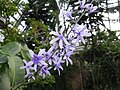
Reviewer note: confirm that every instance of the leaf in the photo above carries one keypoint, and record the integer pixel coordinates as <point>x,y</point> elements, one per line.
<point>25,52</point>
<point>3,59</point>
<point>11,48</point>
<point>16,74</point>
<point>4,80</point>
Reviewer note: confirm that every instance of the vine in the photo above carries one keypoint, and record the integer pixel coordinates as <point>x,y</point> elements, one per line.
<point>63,43</point>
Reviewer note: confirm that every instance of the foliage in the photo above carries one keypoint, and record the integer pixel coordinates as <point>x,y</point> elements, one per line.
<point>102,65</point>
<point>10,65</point>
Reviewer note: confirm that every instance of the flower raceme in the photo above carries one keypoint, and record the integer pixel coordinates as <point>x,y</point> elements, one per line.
<point>62,46</point>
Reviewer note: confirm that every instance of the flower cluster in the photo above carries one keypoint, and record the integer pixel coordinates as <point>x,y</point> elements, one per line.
<point>62,46</point>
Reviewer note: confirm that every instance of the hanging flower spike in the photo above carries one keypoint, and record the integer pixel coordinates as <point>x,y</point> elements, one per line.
<point>59,38</point>
<point>44,71</point>
<point>81,31</point>
<point>37,59</point>
<point>62,45</point>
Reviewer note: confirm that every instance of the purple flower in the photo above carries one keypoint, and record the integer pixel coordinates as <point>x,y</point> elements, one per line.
<point>58,65</point>
<point>92,8</point>
<point>67,57</point>
<point>37,59</point>
<point>59,38</point>
<point>69,48</point>
<point>48,54</point>
<point>28,67</point>
<point>83,5</point>
<point>67,15</point>
<point>30,76</point>
<point>81,31</point>
<point>52,58</point>
<point>45,71</point>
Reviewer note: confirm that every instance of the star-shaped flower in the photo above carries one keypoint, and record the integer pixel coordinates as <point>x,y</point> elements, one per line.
<point>28,67</point>
<point>37,59</point>
<point>60,38</point>
<point>67,15</point>
<point>92,8</point>
<point>67,57</point>
<point>58,65</point>
<point>83,5</point>
<point>45,71</point>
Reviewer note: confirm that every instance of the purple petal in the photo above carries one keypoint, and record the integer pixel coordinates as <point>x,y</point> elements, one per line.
<point>65,41</point>
<point>66,62</point>
<point>54,33</point>
<point>77,40</point>
<point>49,68</point>
<point>41,52</point>
<point>25,61</point>
<point>61,67</point>
<point>55,68</point>
<point>83,28</point>
<point>58,72</point>
<point>82,3</point>
<point>23,67</point>
<point>35,67</point>
<point>86,34</point>
<point>31,53</point>
<point>62,29</point>
<point>82,39</point>
<point>30,63</point>
<point>54,40</point>
<point>33,77</point>
<point>87,5</point>
<point>70,61</point>
<point>67,14</point>
<point>61,44</point>
<point>51,49</point>
<point>43,63</point>
<point>93,9</point>
<point>28,71</point>
<point>43,75</point>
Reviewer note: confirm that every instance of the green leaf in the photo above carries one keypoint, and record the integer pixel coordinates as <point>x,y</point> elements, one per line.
<point>3,59</point>
<point>11,48</point>
<point>16,74</point>
<point>25,52</point>
<point>4,80</point>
